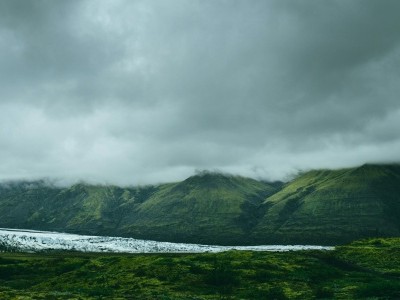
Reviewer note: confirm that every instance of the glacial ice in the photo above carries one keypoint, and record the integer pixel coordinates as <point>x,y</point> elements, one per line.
<point>37,241</point>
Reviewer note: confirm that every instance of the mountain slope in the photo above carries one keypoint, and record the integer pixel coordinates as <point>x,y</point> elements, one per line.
<point>81,208</point>
<point>331,207</point>
<point>207,208</point>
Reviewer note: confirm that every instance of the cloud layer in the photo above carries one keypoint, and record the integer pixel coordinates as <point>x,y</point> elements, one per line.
<point>135,92</point>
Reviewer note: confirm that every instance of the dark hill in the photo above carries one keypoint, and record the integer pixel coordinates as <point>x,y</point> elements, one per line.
<point>207,208</point>
<point>331,207</point>
<point>81,208</point>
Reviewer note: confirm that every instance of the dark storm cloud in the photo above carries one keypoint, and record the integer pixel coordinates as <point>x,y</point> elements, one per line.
<point>146,91</point>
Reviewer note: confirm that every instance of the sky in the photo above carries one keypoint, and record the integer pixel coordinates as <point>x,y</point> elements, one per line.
<point>149,91</point>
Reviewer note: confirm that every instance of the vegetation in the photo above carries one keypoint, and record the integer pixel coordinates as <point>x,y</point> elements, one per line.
<point>334,207</point>
<point>367,269</point>
<point>207,208</point>
<point>326,207</point>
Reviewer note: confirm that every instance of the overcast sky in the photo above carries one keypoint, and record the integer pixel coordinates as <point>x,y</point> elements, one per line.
<point>137,92</point>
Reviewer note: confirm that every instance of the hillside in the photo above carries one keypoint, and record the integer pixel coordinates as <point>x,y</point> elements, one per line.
<point>81,208</point>
<point>331,207</point>
<point>206,208</point>
<point>318,207</point>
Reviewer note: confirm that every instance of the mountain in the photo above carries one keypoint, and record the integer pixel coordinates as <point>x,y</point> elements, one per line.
<point>81,208</point>
<point>334,206</point>
<point>317,207</point>
<point>207,208</point>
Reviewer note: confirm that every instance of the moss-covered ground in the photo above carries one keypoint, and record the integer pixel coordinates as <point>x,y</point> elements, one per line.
<point>368,269</point>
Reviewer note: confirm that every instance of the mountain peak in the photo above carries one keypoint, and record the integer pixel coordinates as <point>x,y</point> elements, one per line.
<point>209,179</point>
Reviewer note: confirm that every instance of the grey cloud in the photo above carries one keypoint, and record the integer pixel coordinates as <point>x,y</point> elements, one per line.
<point>148,91</point>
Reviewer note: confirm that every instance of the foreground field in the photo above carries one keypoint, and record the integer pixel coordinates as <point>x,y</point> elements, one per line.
<point>364,269</point>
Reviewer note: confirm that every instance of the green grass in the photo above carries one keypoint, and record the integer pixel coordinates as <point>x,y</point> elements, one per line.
<point>208,208</point>
<point>334,207</point>
<point>368,269</point>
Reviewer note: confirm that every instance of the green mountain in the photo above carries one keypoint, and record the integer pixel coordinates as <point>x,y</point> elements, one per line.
<point>317,207</point>
<point>81,208</point>
<point>331,207</point>
<point>207,208</point>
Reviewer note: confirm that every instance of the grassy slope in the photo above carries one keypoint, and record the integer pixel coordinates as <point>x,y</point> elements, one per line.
<point>81,208</point>
<point>330,207</point>
<point>21,203</point>
<point>207,208</point>
<point>364,269</point>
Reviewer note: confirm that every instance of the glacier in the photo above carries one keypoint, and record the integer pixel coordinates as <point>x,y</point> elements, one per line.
<point>25,240</point>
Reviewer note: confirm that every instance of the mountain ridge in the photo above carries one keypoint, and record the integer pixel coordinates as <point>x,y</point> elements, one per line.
<point>317,207</point>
